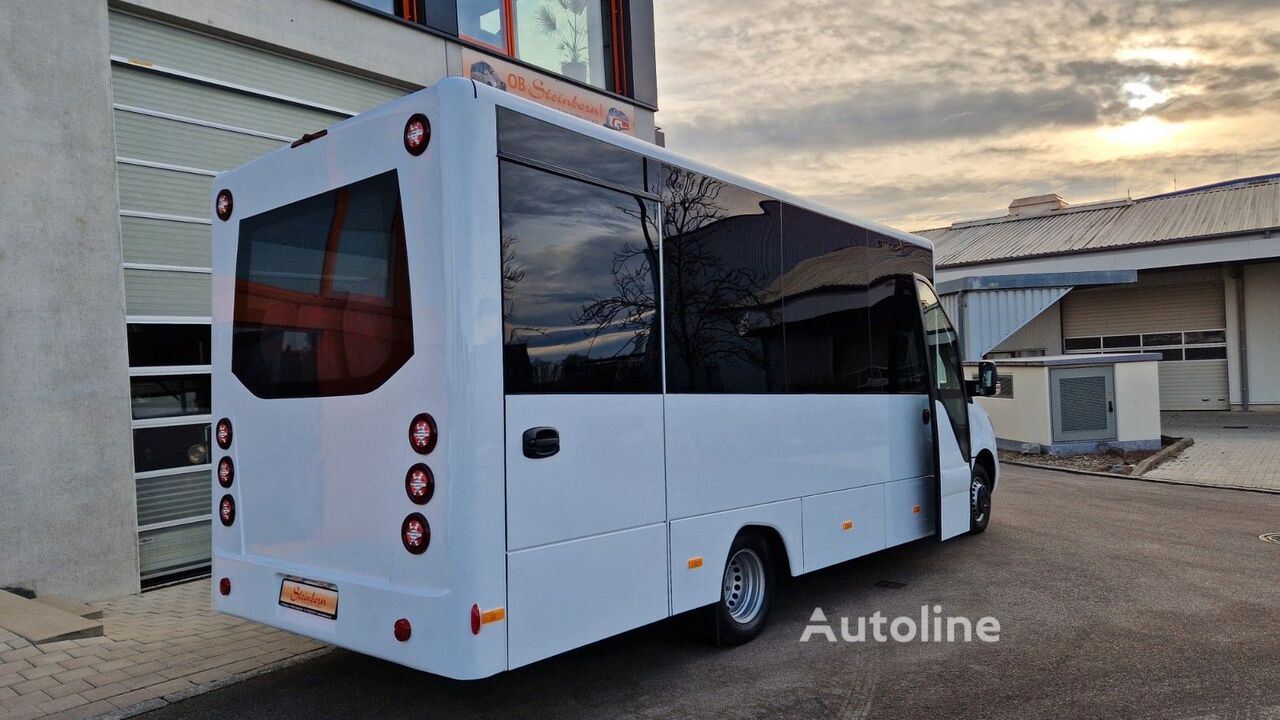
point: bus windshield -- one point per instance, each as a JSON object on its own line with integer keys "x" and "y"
{"x": 322, "y": 303}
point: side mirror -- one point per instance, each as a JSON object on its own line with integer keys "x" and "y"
{"x": 986, "y": 379}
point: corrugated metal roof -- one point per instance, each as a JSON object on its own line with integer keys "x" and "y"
{"x": 1162, "y": 218}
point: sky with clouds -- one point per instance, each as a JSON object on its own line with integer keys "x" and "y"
{"x": 918, "y": 113}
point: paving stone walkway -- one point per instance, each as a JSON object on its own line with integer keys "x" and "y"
{"x": 159, "y": 647}
{"x": 1231, "y": 449}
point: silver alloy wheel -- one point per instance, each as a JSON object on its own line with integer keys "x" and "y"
{"x": 743, "y": 591}
{"x": 979, "y": 500}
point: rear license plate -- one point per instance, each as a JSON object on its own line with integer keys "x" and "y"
{"x": 310, "y": 597}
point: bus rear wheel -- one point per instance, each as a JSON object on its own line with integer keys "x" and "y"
{"x": 746, "y": 591}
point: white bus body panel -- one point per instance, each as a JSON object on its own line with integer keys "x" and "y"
{"x": 956, "y": 474}
{"x": 569, "y": 594}
{"x": 319, "y": 483}
{"x": 726, "y": 451}
{"x": 709, "y": 537}
{"x": 842, "y": 525}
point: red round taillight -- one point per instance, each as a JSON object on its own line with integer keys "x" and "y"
{"x": 422, "y": 433}
{"x": 475, "y": 619}
{"x": 415, "y": 533}
{"x": 402, "y": 629}
{"x": 224, "y": 586}
{"x": 223, "y": 205}
{"x": 227, "y": 510}
{"x": 223, "y": 433}
{"x": 420, "y": 484}
{"x": 226, "y": 472}
{"x": 417, "y": 133}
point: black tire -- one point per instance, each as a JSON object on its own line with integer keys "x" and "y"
{"x": 979, "y": 500}
{"x": 737, "y": 599}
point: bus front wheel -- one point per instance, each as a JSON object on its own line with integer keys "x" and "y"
{"x": 979, "y": 500}
{"x": 747, "y": 589}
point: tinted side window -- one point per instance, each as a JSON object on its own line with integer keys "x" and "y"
{"x": 824, "y": 284}
{"x": 579, "y": 286}
{"x": 322, "y": 294}
{"x": 153, "y": 345}
{"x": 890, "y": 257}
{"x": 897, "y": 340}
{"x": 722, "y": 267}
{"x": 525, "y": 137}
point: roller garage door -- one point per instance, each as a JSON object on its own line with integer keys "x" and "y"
{"x": 187, "y": 106}
{"x": 1179, "y": 314}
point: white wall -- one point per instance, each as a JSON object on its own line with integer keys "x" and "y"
{"x": 1024, "y": 418}
{"x": 1262, "y": 318}
{"x": 1137, "y": 387}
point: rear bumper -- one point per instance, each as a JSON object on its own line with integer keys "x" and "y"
{"x": 441, "y": 642}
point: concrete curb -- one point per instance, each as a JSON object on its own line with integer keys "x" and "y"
{"x": 157, "y": 703}
{"x": 1162, "y": 481}
{"x": 1145, "y": 466}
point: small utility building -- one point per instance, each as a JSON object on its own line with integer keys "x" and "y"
{"x": 1193, "y": 276}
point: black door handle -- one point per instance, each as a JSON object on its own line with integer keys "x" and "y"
{"x": 927, "y": 416}
{"x": 541, "y": 442}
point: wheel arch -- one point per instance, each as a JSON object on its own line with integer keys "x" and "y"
{"x": 987, "y": 461}
{"x": 777, "y": 546}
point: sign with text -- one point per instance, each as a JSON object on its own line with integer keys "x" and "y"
{"x": 549, "y": 91}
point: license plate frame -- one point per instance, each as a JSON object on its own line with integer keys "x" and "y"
{"x": 309, "y": 596}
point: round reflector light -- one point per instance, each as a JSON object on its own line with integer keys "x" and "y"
{"x": 417, "y": 133}
{"x": 224, "y": 586}
{"x": 227, "y": 510}
{"x": 420, "y": 484}
{"x": 415, "y": 533}
{"x": 223, "y": 433}
{"x": 226, "y": 472}
{"x": 422, "y": 433}
{"x": 475, "y": 619}
{"x": 223, "y": 205}
{"x": 402, "y": 629}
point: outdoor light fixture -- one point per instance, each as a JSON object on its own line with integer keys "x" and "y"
{"x": 226, "y": 472}
{"x": 420, "y": 484}
{"x": 422, "y": 434}
{"x": 415, "y": 533}
{"x": 417, "y": 134}
{"x": 223, "y": 205}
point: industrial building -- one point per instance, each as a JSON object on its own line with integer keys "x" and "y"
{"x": 117, "y": 116}
{"x": 1192, "y": 276}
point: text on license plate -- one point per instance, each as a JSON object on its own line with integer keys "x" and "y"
{"x": 310, "y": 597}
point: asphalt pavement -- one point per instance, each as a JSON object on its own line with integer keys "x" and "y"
{"x": 1115, "y": 598}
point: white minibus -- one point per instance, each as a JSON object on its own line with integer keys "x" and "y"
{"x": 494, "y": 382}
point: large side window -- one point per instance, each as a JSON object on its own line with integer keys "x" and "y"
{"x": 944, "y": 348}
{"x": 897, "y": 346}
{"x": 322, "y": 294}
{"x": 722, "y": 267}
{"x": 824, "y": 306}
{"x": 542, "y": 142}
{"x": 579, "y": 286}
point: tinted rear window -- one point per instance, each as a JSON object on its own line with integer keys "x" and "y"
{"x": 322, "y": 294}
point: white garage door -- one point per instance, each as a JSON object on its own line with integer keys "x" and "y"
{"x": 186, "y": 107}
{"x": 1180, "y": 315}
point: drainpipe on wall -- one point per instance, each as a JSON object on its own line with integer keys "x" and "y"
{"x": 1237, "y": 273}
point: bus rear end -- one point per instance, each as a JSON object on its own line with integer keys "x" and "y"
{"x": 358, "y": 465}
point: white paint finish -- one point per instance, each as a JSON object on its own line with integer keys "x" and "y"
{"x": 320, "y": 482}
{"x": 569, "y": 594}
{"x": 903, "y": 523}
{"x": 607, "y": 476}
{"x": 827, "y": 541}
{"x": 774, "y": 447}
{"x": 1262, "y": 297}
{"x": 1137, "y": 389}
{"x": 710, "y": 536}
{"x": 954, "y": 482}
{"x": 982, "y": 436}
